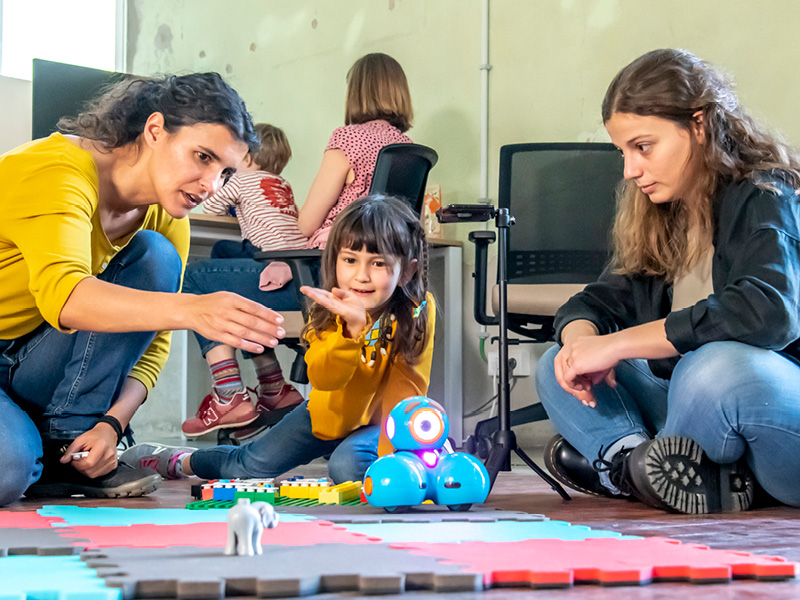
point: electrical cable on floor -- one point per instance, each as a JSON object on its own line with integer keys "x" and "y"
{"x": 488, "y": 404}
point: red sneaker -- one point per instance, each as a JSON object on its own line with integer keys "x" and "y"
{"x": 271, "y": 409}
{"x": 288, "y": 396}
{"x": 213, "y": 414}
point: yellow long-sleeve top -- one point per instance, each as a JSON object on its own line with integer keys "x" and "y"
{"x": 51, "y": 238}
{"x": 348, "y": 393}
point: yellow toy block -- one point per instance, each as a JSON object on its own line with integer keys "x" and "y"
{"x": 349, "y": 490}
{"x": 303, "y": 488}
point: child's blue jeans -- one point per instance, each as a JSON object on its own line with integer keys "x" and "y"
{"x": 55, "y": 386}
{"x": 733, "y": 399}
{"x": 238, "y": 275}
{"x": 287, "y": 445}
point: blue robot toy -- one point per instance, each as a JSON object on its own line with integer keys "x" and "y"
{"x": 420, "y": 468}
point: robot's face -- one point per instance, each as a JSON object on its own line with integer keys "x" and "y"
{"x": 417, "y": 423}
{"x": 426, "y": 425}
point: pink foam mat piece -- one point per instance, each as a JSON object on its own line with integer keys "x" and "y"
{"x": 26, "y": 519}
{"x": 610, "y": 561}
{"x": 211, "y": 535}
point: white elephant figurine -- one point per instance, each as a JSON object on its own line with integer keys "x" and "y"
{"x": 246, "y": 523}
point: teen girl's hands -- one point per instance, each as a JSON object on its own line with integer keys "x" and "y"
{"x": 233, "y": 320}
{"x": 343, "y": 303}
{"x": 587, "y": 358}
{"x": 584, "y": 361}
{"x": 101, "y": 444}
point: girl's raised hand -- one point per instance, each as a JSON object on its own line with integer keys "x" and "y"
{"x": 343, "y": 303}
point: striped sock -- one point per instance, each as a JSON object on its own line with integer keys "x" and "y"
{"x": 268, "y": 371}
{"x": 227, "y": 379}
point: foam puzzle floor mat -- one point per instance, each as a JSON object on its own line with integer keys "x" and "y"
{"x": 178, "y": 553}
{"x": 52, "y": 577}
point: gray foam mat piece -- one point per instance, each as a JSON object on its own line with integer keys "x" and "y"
{"x": 281, "y": 571}
{"x": 38, "y": 542}
{"x": 425, "y": 513}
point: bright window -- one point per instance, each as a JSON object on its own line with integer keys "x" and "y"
{"x": 79, "y": 32}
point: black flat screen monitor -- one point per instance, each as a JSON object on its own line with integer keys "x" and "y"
{"x": 62, "y": 90}
{"x": 563, "y": 197}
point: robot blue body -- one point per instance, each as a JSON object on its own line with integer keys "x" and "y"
{"x": 420, "y": 468}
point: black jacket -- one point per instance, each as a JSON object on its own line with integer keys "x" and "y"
{"x": 755, "y": 273}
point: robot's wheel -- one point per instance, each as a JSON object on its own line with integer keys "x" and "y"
{"x": 395, "y": 509}
{"x": 459, "y": 507}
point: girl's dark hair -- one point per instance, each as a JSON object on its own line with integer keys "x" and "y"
{"x": 383, "y": 225}
{"x": 117, "y": 117}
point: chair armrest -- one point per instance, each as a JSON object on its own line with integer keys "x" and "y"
{"x": 481, "y": 239}
{"x": 302, "y": 264}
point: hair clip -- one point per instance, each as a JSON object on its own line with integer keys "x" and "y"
{"x": 418, "y": 310}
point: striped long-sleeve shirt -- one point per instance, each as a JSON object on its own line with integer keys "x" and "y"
{"x": 265, "y": 208}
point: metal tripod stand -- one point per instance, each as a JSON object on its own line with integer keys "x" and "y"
{"x": 504, "y": 440}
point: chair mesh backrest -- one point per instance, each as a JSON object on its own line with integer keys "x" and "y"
{"x": 402, "y": 170}
{"x": 563, "y": 199}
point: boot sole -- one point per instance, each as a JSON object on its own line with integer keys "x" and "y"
{"x": 675, "y": 474}
{"x": 140, "y": 487}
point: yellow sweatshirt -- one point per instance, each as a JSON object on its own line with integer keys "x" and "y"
{"x": 348, "y": 393}
{"x": 51, "y": 238}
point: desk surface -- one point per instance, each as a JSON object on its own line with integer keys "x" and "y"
{"x": 229, "y": 224}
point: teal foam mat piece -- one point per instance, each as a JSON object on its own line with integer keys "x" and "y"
{"x": 51, "y": 578}
{"x": 108, "y": 516}
{"x": 500, "y": 531}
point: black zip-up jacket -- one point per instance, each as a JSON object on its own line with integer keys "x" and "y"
{"x": 755, "y": 273}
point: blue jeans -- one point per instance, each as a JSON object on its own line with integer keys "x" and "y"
{"x": 735, "y": 400}
{"x": 238, "y": 275}
{"x": 287, "y": 445}
{"x": 231, "y": 249}
{"x": 55, "y": 386}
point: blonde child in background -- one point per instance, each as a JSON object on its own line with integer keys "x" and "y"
{"x": 261, "y": 200}
{"x": 378, "y": 112}
{"x": 370, "y": 345}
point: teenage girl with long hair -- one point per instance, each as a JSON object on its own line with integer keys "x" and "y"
{"x": 676, "y": 377}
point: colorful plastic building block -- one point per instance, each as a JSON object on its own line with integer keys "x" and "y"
{"x": 343, "y": 492}
{"x": 301, "y": 487}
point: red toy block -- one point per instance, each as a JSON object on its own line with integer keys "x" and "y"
{"x": 609, "y": 561}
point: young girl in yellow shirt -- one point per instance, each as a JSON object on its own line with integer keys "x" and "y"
{"x": 370, "y": 344}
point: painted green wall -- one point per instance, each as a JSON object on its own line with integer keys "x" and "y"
{"x": 552, "y": 60}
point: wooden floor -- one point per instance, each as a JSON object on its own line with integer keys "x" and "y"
{"x": 774, "y": 531}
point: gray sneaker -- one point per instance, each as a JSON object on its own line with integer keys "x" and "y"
{"x": 156, "y": 457}
{"x": 63, "y": 481}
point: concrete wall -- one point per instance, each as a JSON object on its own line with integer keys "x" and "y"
{"x": 552, "y": 61}
{"x": 15, "y": 108}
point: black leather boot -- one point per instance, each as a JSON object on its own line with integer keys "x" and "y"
{"x": 572, "y": 469}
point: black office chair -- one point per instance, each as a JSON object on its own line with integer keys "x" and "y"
{"x": 562, "y": 196}
{"x": 400, "y": 170}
